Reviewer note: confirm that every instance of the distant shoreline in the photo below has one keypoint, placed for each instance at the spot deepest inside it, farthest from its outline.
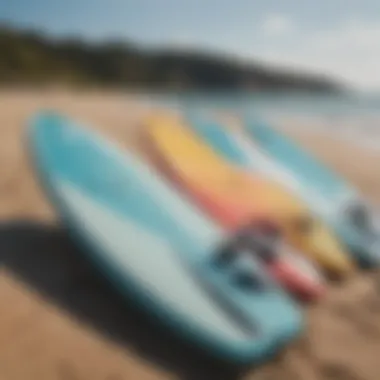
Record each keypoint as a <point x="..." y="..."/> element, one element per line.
<point x="29" y="56"/>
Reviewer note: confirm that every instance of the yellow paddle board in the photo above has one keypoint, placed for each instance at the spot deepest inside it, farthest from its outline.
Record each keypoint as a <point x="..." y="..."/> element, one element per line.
<point x="234" y="197"/>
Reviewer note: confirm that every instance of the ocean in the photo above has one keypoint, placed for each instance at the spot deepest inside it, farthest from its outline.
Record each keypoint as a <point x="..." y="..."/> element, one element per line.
<point x="353" y="117"/>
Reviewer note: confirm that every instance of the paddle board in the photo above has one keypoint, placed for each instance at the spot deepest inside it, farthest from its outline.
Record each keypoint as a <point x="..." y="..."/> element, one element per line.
<point x="233" y="197"/>
<point x="296" y="273"/>
<point x="339" y="204"/>
<point x="156" y="248"/>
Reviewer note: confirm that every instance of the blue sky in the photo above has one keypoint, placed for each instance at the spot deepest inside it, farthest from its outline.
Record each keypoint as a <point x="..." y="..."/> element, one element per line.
<point x="337" y="37"/>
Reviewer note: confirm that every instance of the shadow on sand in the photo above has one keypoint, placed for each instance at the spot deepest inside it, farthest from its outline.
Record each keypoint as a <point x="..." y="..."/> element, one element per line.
<point x="44" y="257"/>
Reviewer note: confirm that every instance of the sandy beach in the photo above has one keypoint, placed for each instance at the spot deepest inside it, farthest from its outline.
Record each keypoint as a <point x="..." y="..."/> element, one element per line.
<point x="60" y="320"/>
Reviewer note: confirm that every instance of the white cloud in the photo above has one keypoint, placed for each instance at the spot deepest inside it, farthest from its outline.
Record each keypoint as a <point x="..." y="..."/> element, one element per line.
<point x="350" y="51"/>
<point x="350" y="35"/>
<point x="276" y="24"/>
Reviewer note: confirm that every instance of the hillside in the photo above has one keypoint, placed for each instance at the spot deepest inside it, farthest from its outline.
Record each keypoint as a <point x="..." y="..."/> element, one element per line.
<point x="32" y="57"/>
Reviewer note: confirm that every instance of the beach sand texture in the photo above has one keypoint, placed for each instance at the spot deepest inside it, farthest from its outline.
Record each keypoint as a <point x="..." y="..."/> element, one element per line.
<point x="60" y="320"/>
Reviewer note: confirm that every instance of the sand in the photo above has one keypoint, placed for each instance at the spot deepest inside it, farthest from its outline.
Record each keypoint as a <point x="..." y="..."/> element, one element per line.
<point x="60" y="320"/>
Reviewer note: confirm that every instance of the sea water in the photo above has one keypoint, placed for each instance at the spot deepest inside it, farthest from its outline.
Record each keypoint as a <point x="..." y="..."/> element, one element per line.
<point x="352" y="117"/>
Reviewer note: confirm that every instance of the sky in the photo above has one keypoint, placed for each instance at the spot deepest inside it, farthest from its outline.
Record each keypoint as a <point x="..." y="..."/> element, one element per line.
<point x="340" y="38"/>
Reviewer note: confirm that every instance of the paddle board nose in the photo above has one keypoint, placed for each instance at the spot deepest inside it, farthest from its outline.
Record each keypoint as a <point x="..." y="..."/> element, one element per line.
<point x="295" y="273"/>
<point x="319" y="244"/>
<point x="330" y="253"/>
<point x="359" y="228"/>
<point x="299" y="277"/>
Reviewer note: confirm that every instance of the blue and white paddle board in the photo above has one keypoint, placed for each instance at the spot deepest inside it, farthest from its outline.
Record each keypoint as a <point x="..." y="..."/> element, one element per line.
<point x="156" y="248"/>
<point x="352" y="218"/>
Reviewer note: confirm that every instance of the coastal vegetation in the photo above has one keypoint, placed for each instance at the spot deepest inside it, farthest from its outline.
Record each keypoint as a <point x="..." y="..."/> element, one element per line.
<point x="33" y="57"/>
